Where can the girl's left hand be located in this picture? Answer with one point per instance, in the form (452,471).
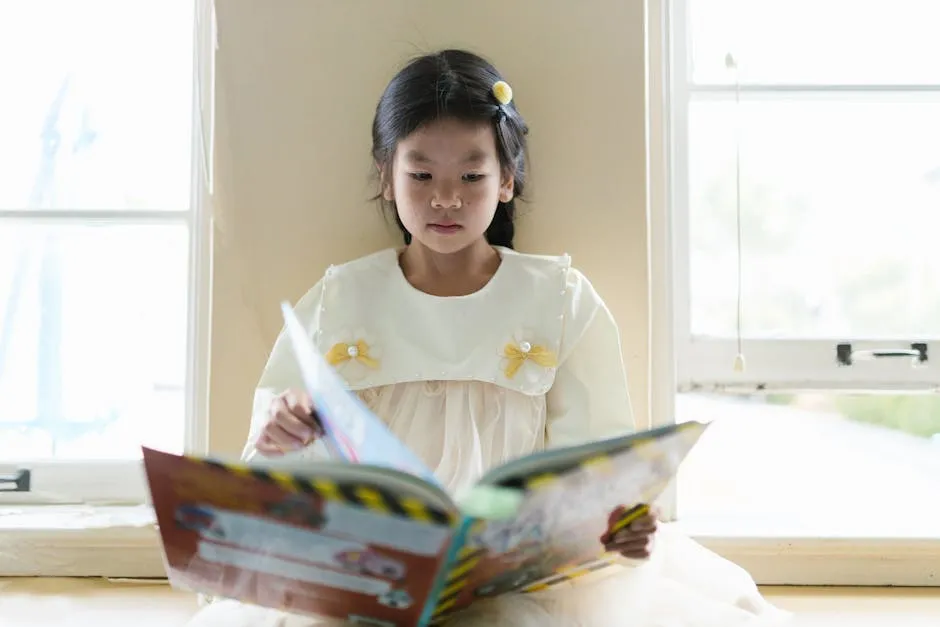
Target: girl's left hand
(635,541)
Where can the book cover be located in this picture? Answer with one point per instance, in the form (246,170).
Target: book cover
(318,545)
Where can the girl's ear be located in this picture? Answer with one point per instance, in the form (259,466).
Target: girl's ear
(385,183)
(507,185)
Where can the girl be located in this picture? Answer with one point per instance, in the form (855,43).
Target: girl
(474,353)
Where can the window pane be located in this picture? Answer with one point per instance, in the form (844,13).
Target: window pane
(827,465)
(840,212)
(816,41)
(93,330)
(101,117)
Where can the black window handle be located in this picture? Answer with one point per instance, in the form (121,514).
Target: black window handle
(846,356)
(17,482)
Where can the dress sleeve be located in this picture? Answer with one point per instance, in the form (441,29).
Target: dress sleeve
(589,399)
(281,371)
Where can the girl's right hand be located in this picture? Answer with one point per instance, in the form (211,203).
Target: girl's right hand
(292,424)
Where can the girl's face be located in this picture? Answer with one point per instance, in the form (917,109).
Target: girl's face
(446,181)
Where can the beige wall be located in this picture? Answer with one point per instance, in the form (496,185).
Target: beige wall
(297,82)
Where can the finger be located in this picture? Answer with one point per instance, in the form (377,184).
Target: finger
(265,446)
(632,538)
(626,543)
(615,516)
(298,403)
(283,439)
(303,431)
(644,523)
(640,554)
(627,536)
(623,537)
(635,547)
(301,408)
(284,417)
(622,517)
(614,532)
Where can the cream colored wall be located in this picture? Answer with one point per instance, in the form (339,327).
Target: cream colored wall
(297,82)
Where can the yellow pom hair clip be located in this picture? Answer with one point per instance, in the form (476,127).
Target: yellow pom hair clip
(503,92)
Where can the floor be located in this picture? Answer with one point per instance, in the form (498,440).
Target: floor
(97,603)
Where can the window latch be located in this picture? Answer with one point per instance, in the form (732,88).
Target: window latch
(846,356)
(16,482)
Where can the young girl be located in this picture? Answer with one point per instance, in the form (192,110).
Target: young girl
(474,354)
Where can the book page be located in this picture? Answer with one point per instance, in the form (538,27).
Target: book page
(555,534)
(352,432)
(307,544)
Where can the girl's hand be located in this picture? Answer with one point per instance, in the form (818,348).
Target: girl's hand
(635,541)
(292,424)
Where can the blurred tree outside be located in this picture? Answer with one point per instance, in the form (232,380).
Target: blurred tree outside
(915,414)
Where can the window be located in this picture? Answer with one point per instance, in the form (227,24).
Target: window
(803,185)
(104,184)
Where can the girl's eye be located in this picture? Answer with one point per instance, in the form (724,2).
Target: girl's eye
(420,176)
(472,178)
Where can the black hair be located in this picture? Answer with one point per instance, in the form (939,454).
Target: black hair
(452,84)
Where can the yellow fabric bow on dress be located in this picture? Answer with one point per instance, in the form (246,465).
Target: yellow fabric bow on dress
(344,352)
(517,355)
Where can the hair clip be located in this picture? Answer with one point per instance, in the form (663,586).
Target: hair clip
(503,92)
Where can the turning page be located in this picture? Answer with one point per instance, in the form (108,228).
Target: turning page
(352,432)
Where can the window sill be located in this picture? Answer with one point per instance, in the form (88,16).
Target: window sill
(79,541)
(833,561)
(780,554)
(123,542)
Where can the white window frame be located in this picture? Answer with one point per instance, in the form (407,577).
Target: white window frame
(705,362)
(680,362)
(99,523)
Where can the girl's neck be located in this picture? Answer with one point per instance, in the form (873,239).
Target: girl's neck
(453,274)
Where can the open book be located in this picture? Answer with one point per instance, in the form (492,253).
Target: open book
(370,536)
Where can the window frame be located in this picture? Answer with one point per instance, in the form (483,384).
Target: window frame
(680,362)
(705,363)
(91,482)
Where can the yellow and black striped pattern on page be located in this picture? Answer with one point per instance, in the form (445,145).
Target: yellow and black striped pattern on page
(360,494)
(568,573)
(603,463)
(458,577)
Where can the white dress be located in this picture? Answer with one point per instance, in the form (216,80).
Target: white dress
(446,393)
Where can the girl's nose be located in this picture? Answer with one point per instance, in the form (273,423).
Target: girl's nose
(446,198)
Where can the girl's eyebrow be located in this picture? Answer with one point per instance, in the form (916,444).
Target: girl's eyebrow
(476,155)
(417,157)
